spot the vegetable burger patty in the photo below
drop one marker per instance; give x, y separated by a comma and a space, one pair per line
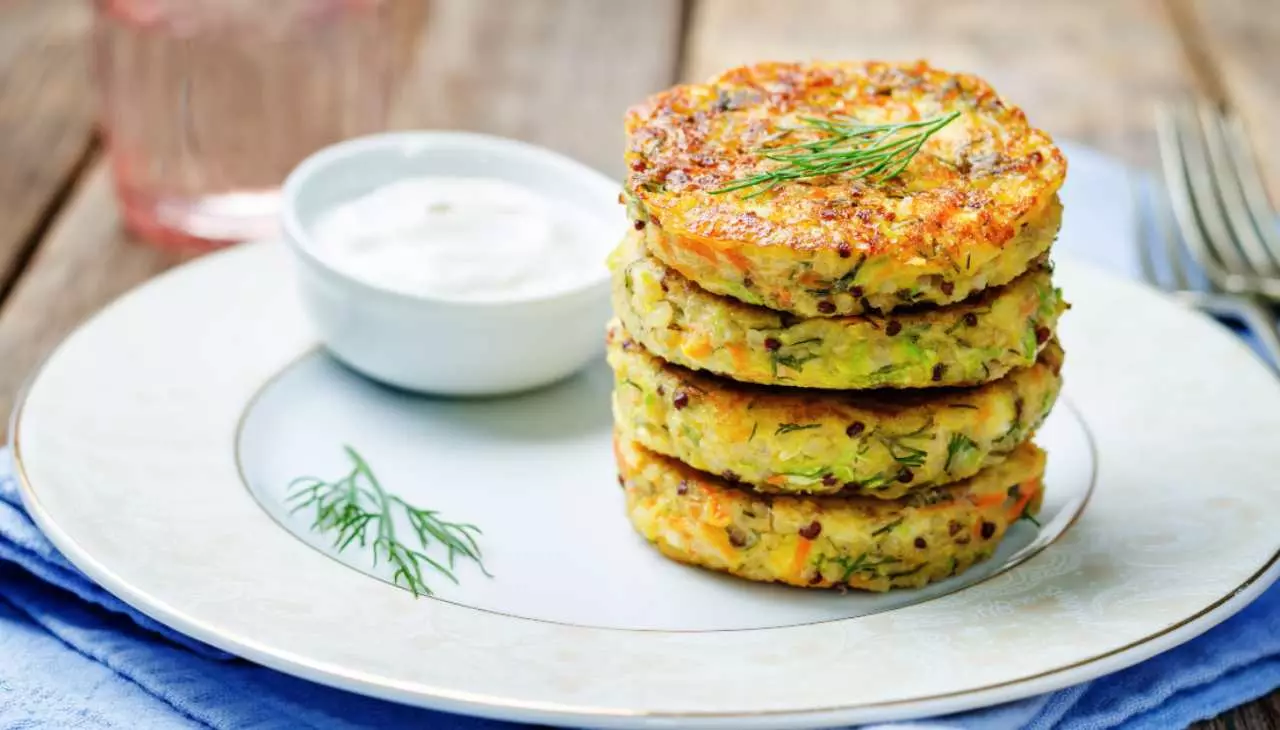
975, 207
872, 544
964, 344
796, 441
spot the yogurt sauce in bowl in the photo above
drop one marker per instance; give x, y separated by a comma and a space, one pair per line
453, 263
461, 238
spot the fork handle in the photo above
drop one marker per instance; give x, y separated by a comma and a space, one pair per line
1249, 312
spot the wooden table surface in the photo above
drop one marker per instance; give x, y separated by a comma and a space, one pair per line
561, 72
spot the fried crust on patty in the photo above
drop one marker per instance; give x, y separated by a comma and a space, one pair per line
975, 207
815, 442
864, 543
969, 343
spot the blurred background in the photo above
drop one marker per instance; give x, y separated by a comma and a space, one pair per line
135, 134
172, 121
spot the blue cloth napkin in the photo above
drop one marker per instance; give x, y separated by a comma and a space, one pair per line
74, 656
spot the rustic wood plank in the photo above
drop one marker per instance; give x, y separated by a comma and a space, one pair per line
555, 72
1203, 68
1242, 40
46, 118
1263, 714
1091, 75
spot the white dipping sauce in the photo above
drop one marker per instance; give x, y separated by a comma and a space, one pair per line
461, 238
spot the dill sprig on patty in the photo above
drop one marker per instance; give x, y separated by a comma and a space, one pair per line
877, 152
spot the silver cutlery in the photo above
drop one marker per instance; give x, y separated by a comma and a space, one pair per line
1218, 198
1212, 206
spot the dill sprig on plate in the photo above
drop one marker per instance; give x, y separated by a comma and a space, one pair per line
356, 509
877, 152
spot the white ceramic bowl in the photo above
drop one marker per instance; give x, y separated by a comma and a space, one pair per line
439, 345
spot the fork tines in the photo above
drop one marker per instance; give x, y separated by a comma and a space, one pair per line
1218, 198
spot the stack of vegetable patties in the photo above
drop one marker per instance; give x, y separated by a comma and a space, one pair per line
835, 322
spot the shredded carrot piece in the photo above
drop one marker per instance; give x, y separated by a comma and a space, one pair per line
707, 249
987, 500
739, 355
1026, 491
738, 260
810, 278
701, 348
718, 516
984, 411
701, 249
802, 556
777, 480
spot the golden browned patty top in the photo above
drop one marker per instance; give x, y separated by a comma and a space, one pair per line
972, 187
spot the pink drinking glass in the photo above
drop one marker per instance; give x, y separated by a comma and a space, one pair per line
206, 105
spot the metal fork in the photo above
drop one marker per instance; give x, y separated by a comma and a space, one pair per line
1218, 198
1188, 209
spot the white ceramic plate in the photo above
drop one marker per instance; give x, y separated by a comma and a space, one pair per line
155, 445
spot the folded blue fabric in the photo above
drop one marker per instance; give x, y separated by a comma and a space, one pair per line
74, 656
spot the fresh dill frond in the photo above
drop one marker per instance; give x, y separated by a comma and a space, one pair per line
904, 453
795, 362
787, 355
1015, 424
808, 341
907, 455
851, 566
789, 427
957, 446
847, 282
887, 527
876, 152
355, 509
877, 482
